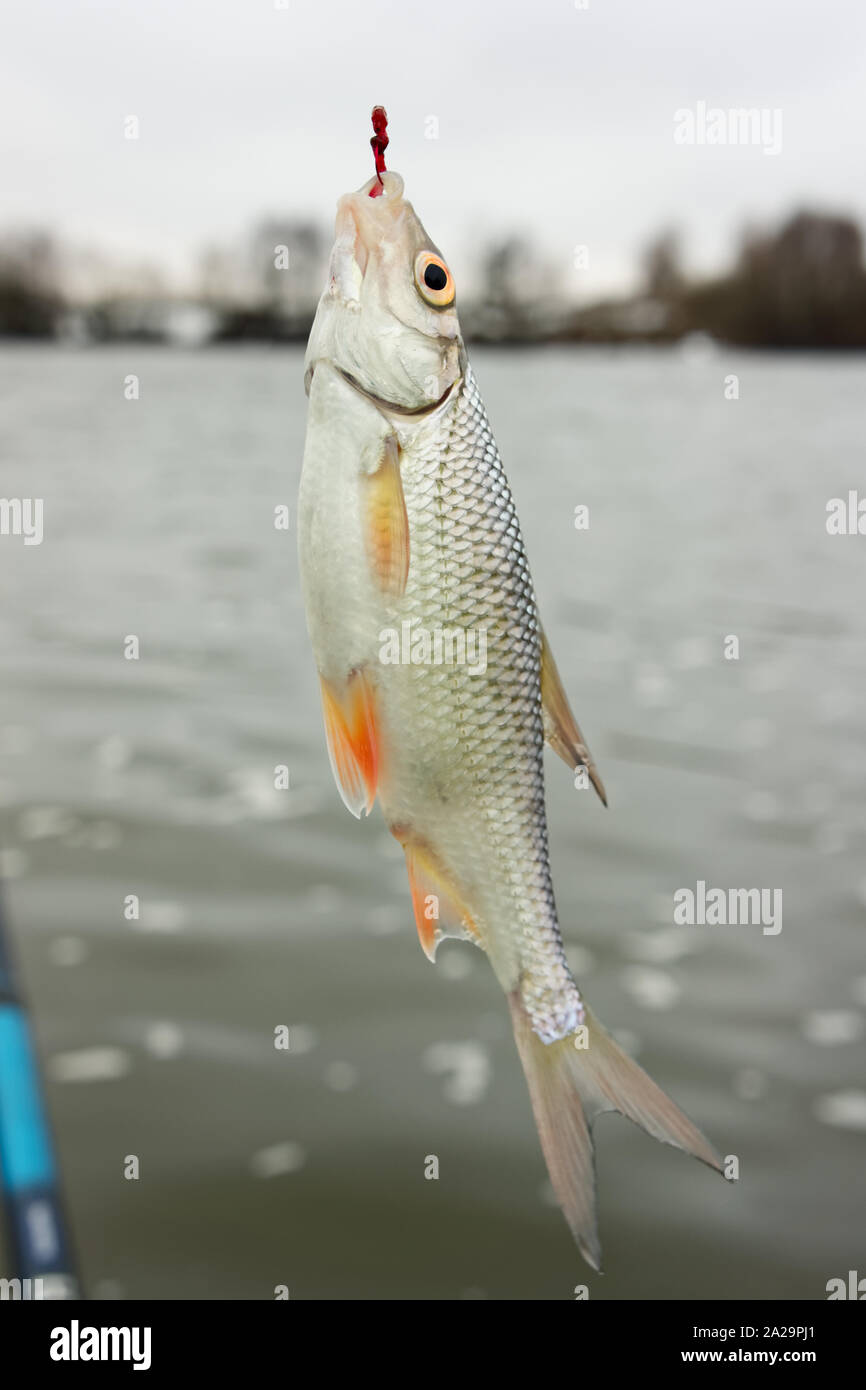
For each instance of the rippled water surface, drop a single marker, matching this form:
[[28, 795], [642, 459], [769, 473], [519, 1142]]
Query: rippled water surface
[[261, 908]]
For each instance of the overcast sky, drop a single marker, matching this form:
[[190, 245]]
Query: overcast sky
[[553, 119]]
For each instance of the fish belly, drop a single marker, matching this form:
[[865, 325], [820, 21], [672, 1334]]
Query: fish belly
[[343, 604]]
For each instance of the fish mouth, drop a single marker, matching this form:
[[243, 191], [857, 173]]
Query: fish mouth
[[365, 217]]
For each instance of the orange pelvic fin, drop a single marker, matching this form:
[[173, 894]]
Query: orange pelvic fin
[[386, 524], [440, 909], [353, 739], [560, 726]]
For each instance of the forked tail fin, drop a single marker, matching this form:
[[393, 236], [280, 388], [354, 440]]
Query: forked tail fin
[[569, 1085]]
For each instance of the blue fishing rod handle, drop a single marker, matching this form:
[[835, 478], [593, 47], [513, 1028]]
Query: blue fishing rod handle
[[27, 1168]]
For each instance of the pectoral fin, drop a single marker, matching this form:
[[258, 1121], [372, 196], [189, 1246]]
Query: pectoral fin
[[353, 739], [560, 726], [386, 524]]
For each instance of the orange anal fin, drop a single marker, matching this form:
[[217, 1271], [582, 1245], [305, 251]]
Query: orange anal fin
[[353, 739], [439, 907], [560, 726], [386, 523]]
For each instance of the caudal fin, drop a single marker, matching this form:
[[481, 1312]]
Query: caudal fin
[[569, 1085]]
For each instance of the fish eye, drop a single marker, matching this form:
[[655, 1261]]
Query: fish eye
[[433, 279]]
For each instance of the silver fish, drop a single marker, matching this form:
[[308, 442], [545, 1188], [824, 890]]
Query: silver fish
[[438, 685]]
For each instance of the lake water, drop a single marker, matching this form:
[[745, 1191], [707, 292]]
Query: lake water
[[260, 908]]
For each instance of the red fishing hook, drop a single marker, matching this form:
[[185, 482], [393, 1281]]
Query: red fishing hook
[[379, 143]]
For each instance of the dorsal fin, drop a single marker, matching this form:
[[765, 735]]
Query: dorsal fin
[[560, 726]]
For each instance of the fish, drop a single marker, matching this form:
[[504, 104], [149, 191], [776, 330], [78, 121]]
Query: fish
[[412, 562]]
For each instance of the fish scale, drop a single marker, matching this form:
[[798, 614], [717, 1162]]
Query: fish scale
[[469, 570]]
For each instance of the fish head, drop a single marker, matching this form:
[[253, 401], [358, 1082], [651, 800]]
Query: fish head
[[387, 319]]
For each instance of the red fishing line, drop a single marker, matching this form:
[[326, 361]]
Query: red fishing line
[[379, 143]]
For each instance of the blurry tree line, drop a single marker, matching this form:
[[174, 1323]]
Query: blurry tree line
[[802, 285]]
